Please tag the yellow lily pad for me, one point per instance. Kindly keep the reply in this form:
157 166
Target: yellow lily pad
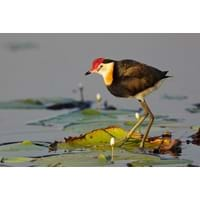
100 139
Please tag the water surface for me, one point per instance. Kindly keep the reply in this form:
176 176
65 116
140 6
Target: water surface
52 65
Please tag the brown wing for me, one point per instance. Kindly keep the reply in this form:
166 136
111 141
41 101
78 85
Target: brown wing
136 77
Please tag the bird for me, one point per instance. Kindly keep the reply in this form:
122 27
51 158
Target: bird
130 79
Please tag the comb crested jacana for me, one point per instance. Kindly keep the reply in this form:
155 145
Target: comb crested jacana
130 78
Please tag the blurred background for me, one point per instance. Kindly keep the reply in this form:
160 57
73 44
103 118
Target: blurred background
49 65
42 67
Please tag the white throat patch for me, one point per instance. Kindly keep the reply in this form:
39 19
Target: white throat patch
107 72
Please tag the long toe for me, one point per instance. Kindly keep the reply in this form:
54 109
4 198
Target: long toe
121 142
142 150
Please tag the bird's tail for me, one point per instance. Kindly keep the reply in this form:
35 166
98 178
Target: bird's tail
165 74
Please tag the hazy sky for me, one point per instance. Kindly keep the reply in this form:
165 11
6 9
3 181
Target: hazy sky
35 65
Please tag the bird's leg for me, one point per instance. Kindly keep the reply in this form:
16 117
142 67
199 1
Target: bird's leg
151 116
138 123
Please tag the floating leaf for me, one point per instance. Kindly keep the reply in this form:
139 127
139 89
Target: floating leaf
25 148
25 145
102 158
27 142
144 160
85 118
90 149
90 112
21 104
15 160
95 158
93 139
91 125
100 139
42 103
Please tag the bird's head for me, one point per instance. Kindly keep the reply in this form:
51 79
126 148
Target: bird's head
103 67
97 64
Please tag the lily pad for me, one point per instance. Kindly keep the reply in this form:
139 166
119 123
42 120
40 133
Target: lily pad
96 158
100 139
84 117
23 146
23 149
15 160
22 104
40 103
150 160
90 112
91 125
90 149
78 122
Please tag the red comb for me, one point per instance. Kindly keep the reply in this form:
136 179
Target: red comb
96 63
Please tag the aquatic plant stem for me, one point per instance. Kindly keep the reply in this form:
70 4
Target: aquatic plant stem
112 156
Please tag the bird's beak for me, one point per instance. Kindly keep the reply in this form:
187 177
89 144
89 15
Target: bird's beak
87 73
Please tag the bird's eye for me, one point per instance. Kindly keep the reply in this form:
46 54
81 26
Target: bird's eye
100 66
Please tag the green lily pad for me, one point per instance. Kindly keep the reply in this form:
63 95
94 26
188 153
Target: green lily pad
142 160
78 122
91 125
96 158
27 142
23 146
21 104
23 149
32 103
86 120
100 139
90 112
14 160
90 149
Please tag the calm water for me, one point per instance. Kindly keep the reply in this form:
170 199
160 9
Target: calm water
53 64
